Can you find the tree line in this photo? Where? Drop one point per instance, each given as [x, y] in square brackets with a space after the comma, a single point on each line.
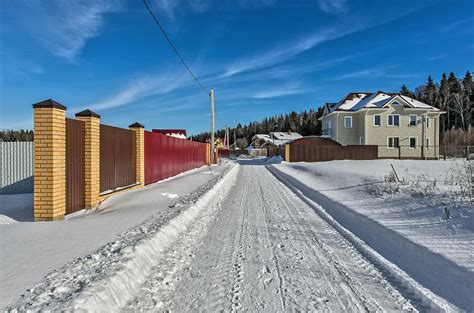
[9, 135]
[305, 123]
[451, 95]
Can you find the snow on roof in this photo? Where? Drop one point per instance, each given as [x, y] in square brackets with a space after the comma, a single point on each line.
[285, 135]
[355, 101]
[350, 100]
[375, 100]
[261, 136]
[417, 104]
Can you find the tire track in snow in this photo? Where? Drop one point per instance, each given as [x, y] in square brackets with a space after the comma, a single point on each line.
[403, 286]
[288, 205]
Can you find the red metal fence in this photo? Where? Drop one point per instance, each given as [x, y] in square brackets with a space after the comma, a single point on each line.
[315, 153]
[167, 156]
[117, 158]
[74, 165]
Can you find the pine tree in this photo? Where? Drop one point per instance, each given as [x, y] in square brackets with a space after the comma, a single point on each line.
[405, 91]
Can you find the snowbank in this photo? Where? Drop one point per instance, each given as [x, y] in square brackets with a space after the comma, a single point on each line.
[407, 225]
[31, 251]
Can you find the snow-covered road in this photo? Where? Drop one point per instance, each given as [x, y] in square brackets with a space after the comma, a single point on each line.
[250, 242]
[260, 247]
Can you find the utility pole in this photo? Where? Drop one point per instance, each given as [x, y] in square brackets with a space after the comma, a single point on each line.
[227, 136]
[211, 94]
[235, 138]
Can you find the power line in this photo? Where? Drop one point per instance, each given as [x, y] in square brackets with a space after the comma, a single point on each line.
[174, 49]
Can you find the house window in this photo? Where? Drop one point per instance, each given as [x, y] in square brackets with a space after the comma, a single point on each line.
[413, 118]
[393, 120]
[427, 143]
[427, 120]
[347, 121]
[393, 142]
[412, 141]
[361, 141]
[377, 120]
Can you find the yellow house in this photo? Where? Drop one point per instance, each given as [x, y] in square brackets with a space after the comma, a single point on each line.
[399, 125]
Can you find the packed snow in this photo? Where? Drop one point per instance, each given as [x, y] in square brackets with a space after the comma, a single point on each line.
[257, 235]
[424, 223]
[29, 251]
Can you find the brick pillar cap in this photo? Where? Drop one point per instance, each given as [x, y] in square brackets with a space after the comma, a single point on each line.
[136, 125]
[50, 103]
[87, 113]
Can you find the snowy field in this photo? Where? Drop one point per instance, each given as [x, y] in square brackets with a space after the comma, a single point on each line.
[424, 223]
[249, 240]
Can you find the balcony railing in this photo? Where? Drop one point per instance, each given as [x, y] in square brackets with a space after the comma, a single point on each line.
[326, 132]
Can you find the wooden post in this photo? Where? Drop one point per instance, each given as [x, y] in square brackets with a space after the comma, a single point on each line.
[50, 161]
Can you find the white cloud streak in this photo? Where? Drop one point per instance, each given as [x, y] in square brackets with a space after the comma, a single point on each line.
[279, 55]
[284, 90]
[142, 88]
[333, 6]
[64, 27]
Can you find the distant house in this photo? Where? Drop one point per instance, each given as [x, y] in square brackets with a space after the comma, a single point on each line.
[219, 143]
[177, 133]
[277, 139]
[399, 125]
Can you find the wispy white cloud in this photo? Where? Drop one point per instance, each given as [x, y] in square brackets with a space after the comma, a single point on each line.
[141, 88]
[282, 54]
[333, 6]
[64, 27]
[467, 24]
[172, 8]
[382, 71]
[279, 91]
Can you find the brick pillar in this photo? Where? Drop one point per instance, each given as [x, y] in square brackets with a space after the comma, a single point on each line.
[139, 152]
[50, 161]
[287, 153]
[91, 157]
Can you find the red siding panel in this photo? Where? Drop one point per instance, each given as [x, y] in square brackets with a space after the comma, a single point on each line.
[167, 156]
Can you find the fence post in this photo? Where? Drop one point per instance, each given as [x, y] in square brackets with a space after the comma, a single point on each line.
[139, 130]
[208, 154]
[91, 157]
[287, 153]
[50, 161]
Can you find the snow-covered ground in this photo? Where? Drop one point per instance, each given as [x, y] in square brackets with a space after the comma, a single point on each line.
[29, 251]
[425, 224]
[250, 242]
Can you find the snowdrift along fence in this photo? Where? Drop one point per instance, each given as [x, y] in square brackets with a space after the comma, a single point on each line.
[167, 156]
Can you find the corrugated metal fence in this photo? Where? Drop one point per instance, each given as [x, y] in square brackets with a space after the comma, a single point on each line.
[316, 153]
[16, 168]
[117, 158]
[167, 156]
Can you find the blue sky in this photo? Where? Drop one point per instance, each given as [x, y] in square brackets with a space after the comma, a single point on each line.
[262, 57]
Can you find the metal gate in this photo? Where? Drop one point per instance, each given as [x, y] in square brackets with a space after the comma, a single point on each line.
[117, 158]
[74, 165]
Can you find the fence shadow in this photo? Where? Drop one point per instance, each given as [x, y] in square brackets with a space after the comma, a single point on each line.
[260, 161]
[18, 207]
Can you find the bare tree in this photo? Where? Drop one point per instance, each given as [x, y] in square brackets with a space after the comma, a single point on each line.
[461, 106]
